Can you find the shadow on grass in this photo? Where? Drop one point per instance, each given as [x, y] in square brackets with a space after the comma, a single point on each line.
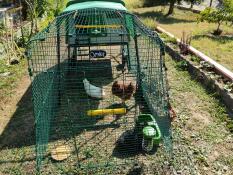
[20, 130]
[220, 39]
[136, 170]
[126, 146]
[129, 144]
[159, 16]
[17, 161]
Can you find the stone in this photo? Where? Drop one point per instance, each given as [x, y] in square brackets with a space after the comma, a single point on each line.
[193, 136]
[5, 74]
[179, 172]
[225, 168]
[14, 61]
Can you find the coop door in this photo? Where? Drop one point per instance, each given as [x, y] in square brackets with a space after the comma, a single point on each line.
[101, 139]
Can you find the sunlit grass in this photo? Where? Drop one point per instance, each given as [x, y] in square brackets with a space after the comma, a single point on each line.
[218, 48]
[150, 22]
[131, 4]
[8, 83]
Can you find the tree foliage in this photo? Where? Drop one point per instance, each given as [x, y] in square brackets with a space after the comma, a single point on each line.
[218, 16]
[38, 9]
[171, 3]
[54, 7]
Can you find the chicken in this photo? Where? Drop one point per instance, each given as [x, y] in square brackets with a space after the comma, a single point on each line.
[172, 113]
[92, 90]
[123, 91]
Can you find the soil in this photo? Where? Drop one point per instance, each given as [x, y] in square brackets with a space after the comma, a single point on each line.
[8, 106]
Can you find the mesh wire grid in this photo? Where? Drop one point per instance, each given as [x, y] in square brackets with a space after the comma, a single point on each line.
[101, 46]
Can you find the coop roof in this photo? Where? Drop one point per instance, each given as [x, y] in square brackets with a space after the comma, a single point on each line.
[79, 1]
[83, 4]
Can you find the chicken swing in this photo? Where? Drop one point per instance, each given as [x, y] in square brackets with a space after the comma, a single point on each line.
[99, 89]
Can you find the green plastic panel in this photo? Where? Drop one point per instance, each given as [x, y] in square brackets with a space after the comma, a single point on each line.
[71, 2]
[95, 4]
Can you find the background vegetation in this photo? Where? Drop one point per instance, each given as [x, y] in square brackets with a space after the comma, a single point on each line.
[218, 48]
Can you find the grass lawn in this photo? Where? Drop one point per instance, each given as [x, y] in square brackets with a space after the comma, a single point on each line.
[198, 129]
[9, 82]
[219, 48]
[202, 143]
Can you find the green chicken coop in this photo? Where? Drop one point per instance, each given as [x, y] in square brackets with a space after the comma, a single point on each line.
[99, 86]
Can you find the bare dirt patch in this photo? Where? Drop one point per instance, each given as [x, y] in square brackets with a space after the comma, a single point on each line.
[9, 105]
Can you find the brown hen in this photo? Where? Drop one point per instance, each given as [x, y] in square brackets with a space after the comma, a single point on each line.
[123, 91]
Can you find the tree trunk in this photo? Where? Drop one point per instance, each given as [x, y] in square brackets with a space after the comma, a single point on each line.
[211, 2]
[171, 7]
[191, 6]
[24, 10]
[218, 31]
[219, 24]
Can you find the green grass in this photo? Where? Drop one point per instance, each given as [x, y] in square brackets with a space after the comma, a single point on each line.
[8, 83]
[218, 48]
[150, 22]
[201, 121]
[210, 101]
[131, 4]
[187, 96]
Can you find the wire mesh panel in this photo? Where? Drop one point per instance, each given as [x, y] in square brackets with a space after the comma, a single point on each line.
[94, 71]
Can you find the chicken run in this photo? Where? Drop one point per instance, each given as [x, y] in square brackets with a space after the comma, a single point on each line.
[99, 89]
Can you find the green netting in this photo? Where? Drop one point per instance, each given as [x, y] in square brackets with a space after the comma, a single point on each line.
[102, 46]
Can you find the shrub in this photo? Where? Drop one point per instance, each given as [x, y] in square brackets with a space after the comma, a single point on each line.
[182, 65]
[220, 15]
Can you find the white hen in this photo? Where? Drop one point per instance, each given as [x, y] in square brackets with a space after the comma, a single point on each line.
[92, 90]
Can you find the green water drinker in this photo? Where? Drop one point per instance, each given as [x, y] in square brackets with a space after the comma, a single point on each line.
[151, 134]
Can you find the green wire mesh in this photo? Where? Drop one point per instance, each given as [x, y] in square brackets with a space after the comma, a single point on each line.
[61, 57]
